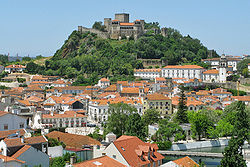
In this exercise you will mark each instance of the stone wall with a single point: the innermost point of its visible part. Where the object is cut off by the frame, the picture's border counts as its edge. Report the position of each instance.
(100, 34)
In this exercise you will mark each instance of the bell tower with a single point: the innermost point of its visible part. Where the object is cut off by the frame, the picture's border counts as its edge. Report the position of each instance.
(223, 69)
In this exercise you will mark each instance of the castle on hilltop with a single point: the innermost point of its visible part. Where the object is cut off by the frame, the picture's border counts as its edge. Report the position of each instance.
(120, 27)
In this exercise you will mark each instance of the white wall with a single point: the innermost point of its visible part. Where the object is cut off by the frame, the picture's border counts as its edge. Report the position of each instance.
(56, 151)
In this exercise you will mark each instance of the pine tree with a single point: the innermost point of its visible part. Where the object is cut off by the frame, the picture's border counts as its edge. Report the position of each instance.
(181, 115)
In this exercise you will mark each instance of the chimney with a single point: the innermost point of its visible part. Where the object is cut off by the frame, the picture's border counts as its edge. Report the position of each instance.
(22, 139)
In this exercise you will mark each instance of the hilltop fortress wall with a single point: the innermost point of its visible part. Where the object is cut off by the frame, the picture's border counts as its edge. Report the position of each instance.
(104, 35)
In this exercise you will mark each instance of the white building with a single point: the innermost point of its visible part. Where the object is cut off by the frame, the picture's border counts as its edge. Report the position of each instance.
(248, 67)
(184, 71)
(14, 68)
(66, 119)
(103, 83)
(215, 62)
(98, 109)
(211, 76)
(9, 121)
(147, 73)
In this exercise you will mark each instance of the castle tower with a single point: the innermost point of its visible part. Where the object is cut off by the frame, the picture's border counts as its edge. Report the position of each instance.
(223, 69)
(107, 23)
(122, 17)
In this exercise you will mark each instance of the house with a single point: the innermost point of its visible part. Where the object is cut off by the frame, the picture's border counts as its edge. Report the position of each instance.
(6, 161)
(158, 101)
(78, 144)
(9, 121)
(182, 71)
(160, 80)
(15, 132)
(103, 161)
(103, 83)
(182, 162)
(131, 151)
(69, 89)
(15, 68)
(30, 155)
(211, 76)
(248, 66)
(245, 99)
(130, 92)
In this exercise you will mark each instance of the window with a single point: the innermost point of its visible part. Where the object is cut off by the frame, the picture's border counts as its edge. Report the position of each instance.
(21, 125)
(5, 126)
(114, 156)
(103, 153)
(123, 149)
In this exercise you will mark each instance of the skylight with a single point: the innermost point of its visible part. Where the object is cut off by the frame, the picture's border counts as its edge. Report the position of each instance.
(97, 163)
(123, 149)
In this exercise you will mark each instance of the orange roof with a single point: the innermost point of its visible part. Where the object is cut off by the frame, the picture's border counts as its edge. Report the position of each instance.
(67, 114)
(39, 77)
(104, 80)
(15, 66)
(2, 113)
(184, 66)
(6, 133)
(130, 90)
(115, 20)
(186, 162)
(230, 72)
(8, 159)
(241, 98)
(59, 81)
(104, 161)
(35, 139)
(157, 96)
(13, 142)
(127, 24)
(131, 148)
(73, 140)
(211, 72)
(21, 151)
(160, 79)
(111, 88)
(148, 70)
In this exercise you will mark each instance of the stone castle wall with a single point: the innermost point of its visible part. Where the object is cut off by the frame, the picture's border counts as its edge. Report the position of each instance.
(104, 35)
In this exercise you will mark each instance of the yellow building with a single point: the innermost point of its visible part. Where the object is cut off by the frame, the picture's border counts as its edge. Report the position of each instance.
(159, 102)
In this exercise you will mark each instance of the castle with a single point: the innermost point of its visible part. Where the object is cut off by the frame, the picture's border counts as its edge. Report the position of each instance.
(118, 28)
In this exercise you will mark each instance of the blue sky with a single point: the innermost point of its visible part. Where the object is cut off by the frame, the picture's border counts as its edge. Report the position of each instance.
(41, 26)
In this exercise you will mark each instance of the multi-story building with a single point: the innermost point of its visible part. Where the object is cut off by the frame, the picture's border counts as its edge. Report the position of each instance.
(215, 62)
(15, 68)
(9, 121)
(147, 73)
(184, 71)
(66, 119)
(159, 102)
(103, 83)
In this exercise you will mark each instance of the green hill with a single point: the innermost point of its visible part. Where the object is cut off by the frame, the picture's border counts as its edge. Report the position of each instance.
(87, 57)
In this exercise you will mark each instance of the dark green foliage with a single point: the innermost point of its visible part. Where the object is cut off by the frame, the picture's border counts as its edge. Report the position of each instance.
(54, 142)
(151, 25)
(124, 119)
(87, 55)
(61, 161)
(235, 92)
(34, 68)
(3, 74)
(26, 59)
(233, 78)
(3, 87)
(242, 65)
(181, 115)
(135, 126)
(21, 80)
(96, 135)
(165, 145)
(151, 116)
(3, 59)
(98, 25)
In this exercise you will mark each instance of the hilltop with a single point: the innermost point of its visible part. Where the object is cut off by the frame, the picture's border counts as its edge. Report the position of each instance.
(87, 57)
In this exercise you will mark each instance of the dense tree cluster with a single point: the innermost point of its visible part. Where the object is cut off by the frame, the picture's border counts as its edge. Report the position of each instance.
(88, 57)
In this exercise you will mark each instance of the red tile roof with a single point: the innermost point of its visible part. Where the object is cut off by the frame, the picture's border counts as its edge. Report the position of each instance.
(2, 113)
(132, 148)
(104, 80)
(15, 66)
(130, 90)
(6, 133)
(67, 114)
(72, 140)
(186, 162)
(211, 72)
(157, 96)
(104, 161)
(9, 159)
(127, 24)
(184, 66)
(13, 142)
(147, 70)
(35, 139)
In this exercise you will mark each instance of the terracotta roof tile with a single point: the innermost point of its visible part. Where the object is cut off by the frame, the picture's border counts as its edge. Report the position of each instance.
(2, 113)
(184, 66)
(13, 142)
(6, 133)
(104, 161)
(73, 140)
(15, 66)
(211, 72)
(130, 90)
(104, 80)
(9, 159)
(67, 114)
(157, 96)
(186, 162)
(35, 139)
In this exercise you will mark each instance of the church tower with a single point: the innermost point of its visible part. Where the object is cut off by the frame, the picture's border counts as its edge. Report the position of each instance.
(223, 69)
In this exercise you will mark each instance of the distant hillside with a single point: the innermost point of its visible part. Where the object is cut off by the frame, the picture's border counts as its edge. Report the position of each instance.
(89, 57)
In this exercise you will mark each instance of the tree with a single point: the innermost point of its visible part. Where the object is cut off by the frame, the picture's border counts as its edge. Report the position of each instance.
(32, 68)
(151, 116)
(118, 116)
(233, 154)
(199, 124)
(26, 59)
(181, 115)
(245, 72)
(98, 25)
(135, 126)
